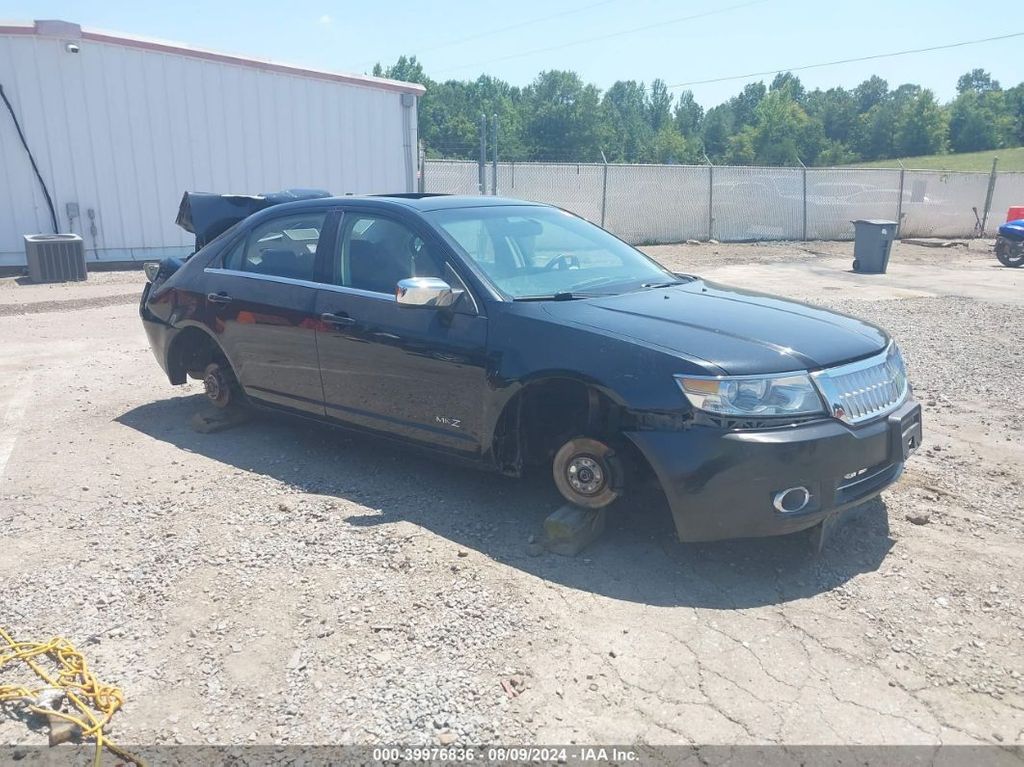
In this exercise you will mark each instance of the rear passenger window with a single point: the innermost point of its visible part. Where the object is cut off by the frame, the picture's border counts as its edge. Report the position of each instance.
(233, 258)
(285, 246)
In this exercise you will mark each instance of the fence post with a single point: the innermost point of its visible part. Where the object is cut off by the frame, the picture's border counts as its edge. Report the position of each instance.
(899, 200)
(803, 168)
(711, 197)
(604, 188)
(494, 157)
(988, 196)
(422, 157)
(482, 163)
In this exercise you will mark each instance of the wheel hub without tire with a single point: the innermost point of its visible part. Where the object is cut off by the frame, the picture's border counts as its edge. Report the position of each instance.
(213, 386)
(217, 384)
(585, 475)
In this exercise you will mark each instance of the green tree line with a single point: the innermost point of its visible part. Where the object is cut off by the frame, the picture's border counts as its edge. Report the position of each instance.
(559, 117)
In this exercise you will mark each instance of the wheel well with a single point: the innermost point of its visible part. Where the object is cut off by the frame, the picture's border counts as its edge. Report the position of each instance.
(191, 351)
(544, 414)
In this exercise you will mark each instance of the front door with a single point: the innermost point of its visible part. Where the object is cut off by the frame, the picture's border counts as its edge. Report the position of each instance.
(261, 303)
(414, 372)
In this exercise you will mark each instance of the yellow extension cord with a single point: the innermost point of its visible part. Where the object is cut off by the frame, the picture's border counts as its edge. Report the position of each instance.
(94, 701)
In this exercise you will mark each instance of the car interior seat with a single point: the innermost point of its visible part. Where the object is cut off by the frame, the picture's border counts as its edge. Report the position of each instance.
(284, 263)
(377, 266)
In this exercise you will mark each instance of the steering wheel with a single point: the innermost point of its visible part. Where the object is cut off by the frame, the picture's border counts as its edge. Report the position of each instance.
(562, 261)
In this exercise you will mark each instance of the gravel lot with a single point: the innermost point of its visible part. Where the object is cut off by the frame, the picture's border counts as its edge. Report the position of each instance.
(282, 582)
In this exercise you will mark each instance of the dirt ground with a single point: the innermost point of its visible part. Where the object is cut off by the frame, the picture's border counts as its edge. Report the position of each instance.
(282, 582)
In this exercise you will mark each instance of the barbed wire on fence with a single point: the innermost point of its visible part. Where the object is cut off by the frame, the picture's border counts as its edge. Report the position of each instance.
(674, 203)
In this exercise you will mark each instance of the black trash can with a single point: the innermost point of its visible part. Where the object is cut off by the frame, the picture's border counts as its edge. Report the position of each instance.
(871, 244)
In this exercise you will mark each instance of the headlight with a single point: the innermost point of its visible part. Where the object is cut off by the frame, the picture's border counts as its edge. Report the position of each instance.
(152, 269)
(790, 394)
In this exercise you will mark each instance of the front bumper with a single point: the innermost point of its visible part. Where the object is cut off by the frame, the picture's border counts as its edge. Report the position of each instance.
(721, 484)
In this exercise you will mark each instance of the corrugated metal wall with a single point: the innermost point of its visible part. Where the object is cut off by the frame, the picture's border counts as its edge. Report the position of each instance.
(123, 131)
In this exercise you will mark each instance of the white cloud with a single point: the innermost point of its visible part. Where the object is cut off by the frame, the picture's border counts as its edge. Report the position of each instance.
(325, 20)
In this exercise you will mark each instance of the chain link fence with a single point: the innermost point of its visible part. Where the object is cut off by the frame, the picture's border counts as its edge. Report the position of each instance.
(657, 203)
(451, 176)
(575, 187)
(647, 204)
(942, 204)
(837, 196)
(1008, 191)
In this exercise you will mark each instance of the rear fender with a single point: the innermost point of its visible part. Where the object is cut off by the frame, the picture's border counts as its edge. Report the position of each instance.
(185, 333)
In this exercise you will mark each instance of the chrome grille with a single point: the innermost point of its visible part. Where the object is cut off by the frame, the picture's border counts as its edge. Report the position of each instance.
(866, 389)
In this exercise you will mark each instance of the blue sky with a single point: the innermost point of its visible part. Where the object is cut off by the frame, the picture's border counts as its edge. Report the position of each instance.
(591, 37)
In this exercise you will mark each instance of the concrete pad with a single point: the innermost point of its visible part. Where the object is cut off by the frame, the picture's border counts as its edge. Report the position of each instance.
(571, 529)
(984, 280)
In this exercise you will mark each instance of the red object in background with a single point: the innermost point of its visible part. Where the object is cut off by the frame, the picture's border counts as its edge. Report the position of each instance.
(1016, 213)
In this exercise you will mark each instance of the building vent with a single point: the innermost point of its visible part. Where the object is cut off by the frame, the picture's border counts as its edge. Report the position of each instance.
(55, 257)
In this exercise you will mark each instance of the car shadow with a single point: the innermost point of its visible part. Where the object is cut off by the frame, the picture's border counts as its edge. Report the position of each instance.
(637, 559)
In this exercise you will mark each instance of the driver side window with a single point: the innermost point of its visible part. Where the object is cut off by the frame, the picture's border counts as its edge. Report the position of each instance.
(376, 252)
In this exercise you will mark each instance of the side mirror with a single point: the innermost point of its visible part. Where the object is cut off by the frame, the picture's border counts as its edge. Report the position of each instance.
(426, 291)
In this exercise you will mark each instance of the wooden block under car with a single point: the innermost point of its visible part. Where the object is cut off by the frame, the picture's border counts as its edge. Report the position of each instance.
(212, 421)
(571, 529)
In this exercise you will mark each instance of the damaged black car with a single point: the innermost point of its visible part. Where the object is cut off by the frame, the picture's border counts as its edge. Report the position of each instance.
(508, 334)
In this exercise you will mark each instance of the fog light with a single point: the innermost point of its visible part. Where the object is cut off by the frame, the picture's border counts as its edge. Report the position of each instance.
(792, 500)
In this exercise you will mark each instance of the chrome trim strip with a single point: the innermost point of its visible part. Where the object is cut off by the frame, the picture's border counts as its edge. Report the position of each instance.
(825, 383)
(856, 367)
(866, 478)
(301, 283)
(779, 501)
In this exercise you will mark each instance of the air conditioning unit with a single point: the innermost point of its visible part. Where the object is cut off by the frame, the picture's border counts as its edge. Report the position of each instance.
(55, 257)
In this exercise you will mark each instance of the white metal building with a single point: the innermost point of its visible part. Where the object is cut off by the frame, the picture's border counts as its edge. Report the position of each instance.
(120, 127)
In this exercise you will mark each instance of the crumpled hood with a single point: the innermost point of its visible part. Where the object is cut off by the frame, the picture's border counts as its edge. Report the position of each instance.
(207, 214)
(739, 332)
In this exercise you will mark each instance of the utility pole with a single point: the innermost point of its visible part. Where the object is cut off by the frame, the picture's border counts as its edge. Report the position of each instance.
(494, 155)
(483, 154)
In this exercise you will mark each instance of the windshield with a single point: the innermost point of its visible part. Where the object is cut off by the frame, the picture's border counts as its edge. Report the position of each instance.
(534, 252)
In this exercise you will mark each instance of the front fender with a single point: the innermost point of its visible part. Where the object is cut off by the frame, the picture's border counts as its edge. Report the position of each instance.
(631, 375)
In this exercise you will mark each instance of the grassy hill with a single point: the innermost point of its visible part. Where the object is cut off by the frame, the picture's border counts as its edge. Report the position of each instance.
(1009, 159)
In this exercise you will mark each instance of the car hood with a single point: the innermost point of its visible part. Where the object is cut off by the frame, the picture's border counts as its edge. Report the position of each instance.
(738, 332)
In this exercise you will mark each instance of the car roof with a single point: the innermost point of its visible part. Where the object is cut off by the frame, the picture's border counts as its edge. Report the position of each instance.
(425, 202)
(446, 202)
(417, 202)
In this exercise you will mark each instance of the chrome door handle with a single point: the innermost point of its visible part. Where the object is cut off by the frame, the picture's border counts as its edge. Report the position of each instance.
(218, 298)
(341, 320)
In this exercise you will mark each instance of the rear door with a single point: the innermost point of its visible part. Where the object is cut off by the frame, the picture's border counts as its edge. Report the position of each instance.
(414, 372)
(261, 304)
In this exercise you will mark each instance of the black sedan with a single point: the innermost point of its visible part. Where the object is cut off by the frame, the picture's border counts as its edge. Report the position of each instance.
(507, 333)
